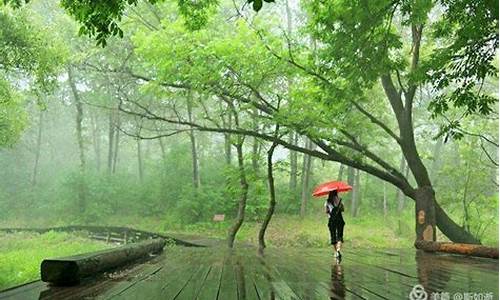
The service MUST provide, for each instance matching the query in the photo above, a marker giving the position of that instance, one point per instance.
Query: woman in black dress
(334, 208)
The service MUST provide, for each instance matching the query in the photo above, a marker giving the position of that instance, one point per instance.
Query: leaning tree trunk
(272, 197)
(240, 217)
(428, 213)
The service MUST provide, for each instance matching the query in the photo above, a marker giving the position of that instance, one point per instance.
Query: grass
(22, 253)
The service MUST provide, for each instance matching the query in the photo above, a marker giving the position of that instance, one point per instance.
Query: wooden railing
(110, 234)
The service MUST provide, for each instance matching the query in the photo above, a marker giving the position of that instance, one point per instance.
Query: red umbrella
(325, 188)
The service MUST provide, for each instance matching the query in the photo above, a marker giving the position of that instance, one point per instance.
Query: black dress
(336, 222)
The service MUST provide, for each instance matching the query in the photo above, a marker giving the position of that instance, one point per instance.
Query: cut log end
(458, 248)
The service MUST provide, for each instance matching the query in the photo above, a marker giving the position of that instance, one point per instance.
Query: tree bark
(240, 217)
(458, 248)
(38, 149)
(272, 197)
(79, 135)
(71, 270)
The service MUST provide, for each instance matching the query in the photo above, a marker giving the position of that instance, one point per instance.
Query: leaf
(257, 5)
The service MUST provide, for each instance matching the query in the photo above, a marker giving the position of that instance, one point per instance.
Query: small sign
(218, 218)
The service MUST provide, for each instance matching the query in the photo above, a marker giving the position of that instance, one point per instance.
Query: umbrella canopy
(325, 188)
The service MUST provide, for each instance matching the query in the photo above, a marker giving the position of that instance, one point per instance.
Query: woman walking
(334, 208)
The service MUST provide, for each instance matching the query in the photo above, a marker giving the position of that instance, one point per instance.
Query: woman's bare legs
(339, 245)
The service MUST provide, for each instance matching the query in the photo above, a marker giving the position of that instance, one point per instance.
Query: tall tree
(194, 150)
(82, 193)
(38, 149)
(305, 179)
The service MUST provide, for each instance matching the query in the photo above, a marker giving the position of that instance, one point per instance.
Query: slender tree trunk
(227, 142)
(38, 149)
(356, 195)
(117, 142)
(255, 143)
(194, 150)
(306, 175)
(162, 149)
(350, 181)
(400, 197)
(111, 140)
(341, 172)
(384, 206)
(293, 137)
(293, 166)
(272, 197)
(464, 199)
(79, 135)
(139, 160)
(240, 217)
(436, 160)
(96, 139)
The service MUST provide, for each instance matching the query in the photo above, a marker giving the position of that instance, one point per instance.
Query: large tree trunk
(306, 178)
(38, 149)
(272, 197)
(428, 213)
(194, 150)
(240, 217)
(79, 135)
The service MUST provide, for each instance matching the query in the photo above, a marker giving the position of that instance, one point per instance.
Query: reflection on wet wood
(216, 273)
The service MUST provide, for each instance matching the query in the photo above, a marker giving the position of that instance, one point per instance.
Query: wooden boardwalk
(217, 273)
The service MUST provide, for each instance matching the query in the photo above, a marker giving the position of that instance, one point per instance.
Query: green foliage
(468, 33)
(25, 55)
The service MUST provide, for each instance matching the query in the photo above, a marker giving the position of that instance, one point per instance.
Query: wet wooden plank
(216, 273)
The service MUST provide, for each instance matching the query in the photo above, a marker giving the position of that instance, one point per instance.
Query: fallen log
(457, 248)
(70, 270)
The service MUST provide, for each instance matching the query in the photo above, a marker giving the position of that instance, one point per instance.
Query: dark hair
(332, 196)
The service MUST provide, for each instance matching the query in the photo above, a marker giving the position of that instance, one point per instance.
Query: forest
(165, 115)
